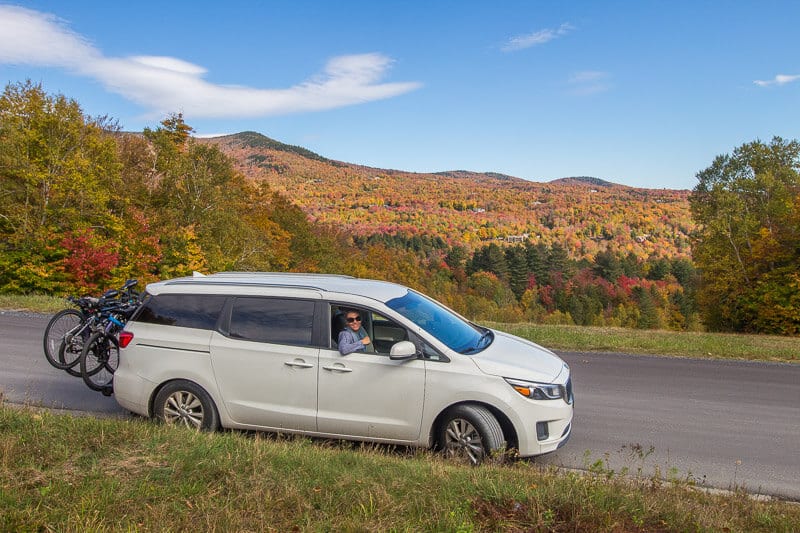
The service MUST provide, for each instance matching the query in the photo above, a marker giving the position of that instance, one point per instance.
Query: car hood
(512, 357)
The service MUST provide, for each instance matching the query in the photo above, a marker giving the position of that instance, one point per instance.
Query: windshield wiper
(487, 335)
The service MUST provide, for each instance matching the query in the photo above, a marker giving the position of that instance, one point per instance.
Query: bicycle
(100, 355)
(69, 329)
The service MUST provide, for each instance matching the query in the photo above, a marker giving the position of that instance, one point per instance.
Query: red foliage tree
(90, 259)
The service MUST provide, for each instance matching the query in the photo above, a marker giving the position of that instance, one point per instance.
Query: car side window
(385, 333)
(382, 332)
(273, 320)
(199, 311)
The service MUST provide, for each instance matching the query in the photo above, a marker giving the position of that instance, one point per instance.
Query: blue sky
(643, 93)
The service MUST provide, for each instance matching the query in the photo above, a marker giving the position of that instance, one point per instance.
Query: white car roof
(238, 282)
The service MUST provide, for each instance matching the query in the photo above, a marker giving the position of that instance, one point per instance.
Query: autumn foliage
(86, 206)
(748, 241)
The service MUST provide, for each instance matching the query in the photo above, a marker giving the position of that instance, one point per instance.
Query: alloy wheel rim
(184, 408)
(463, 440)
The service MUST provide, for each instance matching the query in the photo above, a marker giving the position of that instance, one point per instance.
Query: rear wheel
(69, 355)
(470, 433)
(99, 360)
(71, 349)
(62, 323)
(186, 404)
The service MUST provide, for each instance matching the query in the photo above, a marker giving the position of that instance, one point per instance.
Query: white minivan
(259, 351)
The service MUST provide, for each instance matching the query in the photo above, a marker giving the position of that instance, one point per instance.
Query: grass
(660, 342)
(38, 303)
(63, 473)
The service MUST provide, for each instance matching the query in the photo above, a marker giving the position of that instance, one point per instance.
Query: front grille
(569, 397)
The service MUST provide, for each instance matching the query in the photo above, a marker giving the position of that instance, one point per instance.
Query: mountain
(585, 180)
(467, 174)
(584, 214)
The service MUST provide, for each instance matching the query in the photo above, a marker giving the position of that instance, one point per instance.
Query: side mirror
(402, 351)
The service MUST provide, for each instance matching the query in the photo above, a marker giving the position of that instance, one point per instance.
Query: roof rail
(201, 281)
(242, 273)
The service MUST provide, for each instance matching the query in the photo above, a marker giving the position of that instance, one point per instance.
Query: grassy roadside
(580, 338)
(63, 473)
(37, 303)
(659, 342)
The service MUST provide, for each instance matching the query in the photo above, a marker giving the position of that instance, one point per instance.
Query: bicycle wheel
(69, 355)
(99, 360)
(57, 329)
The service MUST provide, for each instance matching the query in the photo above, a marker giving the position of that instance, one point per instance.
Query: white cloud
(780, 79)
(589, 82)
(165, 84)
(520, 42)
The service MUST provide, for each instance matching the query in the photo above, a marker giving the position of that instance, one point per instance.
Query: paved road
(725, 424)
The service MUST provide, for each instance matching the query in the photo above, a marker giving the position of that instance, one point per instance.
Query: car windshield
(449, 328)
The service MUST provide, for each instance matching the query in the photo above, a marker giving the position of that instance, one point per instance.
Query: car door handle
(338, 368)
(298, 364)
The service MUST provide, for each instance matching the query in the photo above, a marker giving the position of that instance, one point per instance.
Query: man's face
(353, 321)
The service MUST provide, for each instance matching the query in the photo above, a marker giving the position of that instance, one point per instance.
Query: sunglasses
(352, 319)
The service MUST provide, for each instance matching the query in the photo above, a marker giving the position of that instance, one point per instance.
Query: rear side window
(273, 320)
(197, 311)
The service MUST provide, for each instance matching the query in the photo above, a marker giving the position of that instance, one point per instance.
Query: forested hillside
(577, 250)
(584, 215)
(86, 206)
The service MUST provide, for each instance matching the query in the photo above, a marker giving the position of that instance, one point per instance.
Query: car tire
(187, 404)
(470, 433)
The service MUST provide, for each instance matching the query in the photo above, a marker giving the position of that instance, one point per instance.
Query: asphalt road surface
(724, 424)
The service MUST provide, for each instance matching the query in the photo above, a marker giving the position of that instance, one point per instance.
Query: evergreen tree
(608, 266)
(536, 256)
(456, 257)
(517, 270)
(558, 262)
(496, 262)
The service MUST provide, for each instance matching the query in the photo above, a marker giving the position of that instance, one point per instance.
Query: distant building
(518, 238)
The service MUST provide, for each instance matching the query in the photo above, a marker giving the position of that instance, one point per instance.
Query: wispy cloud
(165, 84)
(520, 42)
(780, 79)
(589, 82)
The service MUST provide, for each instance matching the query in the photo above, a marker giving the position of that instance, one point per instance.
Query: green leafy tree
(208, 213)
(747, 244)
(58, 169)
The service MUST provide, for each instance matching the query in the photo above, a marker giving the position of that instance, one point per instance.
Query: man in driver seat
(353, 338)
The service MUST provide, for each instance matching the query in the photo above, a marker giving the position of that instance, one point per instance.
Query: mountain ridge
(255, 139)
(586, 215)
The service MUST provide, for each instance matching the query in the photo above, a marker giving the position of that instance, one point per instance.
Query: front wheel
(471, 433)
(186, 404)
(99, 360)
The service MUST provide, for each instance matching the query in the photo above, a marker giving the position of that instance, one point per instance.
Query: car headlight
(538, 391)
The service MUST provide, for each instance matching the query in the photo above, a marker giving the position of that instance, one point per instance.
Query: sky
(642, 93)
